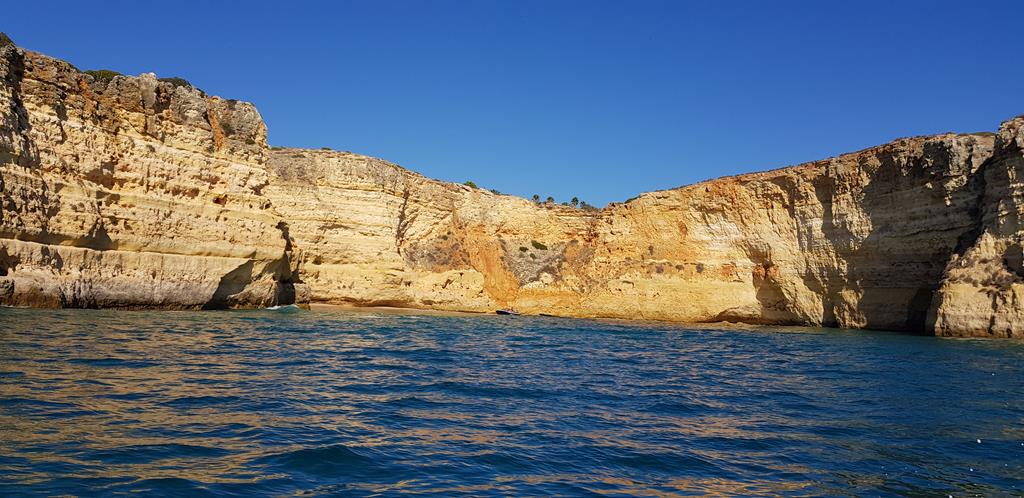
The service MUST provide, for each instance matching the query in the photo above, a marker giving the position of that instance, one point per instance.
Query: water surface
(242, 403)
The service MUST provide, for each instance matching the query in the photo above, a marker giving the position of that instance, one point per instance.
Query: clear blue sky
(602, 100)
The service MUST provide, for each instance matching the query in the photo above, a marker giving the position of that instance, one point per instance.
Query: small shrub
(325, 148)
(523, 249)
(495, 191)
(276, 147)
(538, 245)
(470, 184)
(176, 82)
(102, 75)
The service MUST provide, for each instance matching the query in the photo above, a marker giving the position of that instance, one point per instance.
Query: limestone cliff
(857, 241)
(982, 292)
(132, 192)
(135, 192)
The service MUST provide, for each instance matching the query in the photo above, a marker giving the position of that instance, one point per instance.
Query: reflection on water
(264, 402)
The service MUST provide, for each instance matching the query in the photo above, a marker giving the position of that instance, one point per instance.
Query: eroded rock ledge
(137, 193)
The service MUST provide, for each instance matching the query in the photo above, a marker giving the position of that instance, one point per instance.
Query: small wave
(325, 461)
(491, 391)
(145, 453)
(188, 402)
(168, 486)
(679, 408)
(413, 402)
(505, 462)
(669, 462)
(113, 362)
(285, 308)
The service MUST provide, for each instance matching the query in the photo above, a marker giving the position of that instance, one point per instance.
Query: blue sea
(365, 403)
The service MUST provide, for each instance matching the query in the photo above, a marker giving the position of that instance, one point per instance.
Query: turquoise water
(243, 403)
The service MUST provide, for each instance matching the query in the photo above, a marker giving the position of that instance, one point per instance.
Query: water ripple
(283, 402)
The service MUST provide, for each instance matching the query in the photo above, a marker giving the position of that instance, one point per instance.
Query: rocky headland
(138, 192)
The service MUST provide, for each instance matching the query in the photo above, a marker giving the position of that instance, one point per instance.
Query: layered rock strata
(135, 192)
(132, 193)
(858, 241)
(982, 290)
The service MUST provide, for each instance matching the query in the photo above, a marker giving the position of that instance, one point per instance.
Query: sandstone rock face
(132, 193)
(983, 292)
(372, 233)
(858, 241)
(135, 192)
